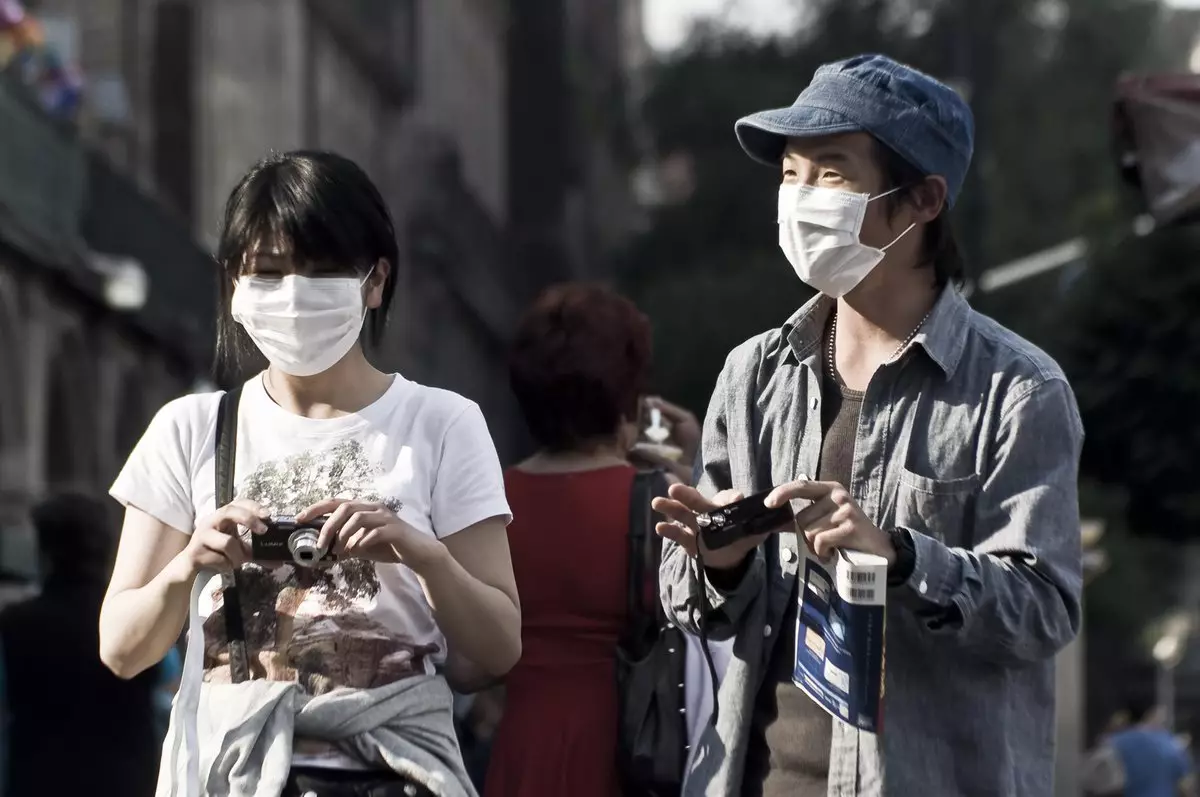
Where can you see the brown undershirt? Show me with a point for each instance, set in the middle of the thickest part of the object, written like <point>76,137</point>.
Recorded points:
<point>790,735</point>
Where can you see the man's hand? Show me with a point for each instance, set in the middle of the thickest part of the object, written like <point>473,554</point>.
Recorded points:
<point>832,521</point>
<point>682,507</point>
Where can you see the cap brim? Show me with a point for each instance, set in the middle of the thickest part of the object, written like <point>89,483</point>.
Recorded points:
<point>764,135</point>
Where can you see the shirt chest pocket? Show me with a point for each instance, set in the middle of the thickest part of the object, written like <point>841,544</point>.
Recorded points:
<point>940,508</point>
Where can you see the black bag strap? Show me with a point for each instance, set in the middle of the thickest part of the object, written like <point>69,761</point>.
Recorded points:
<point>644,544</point>
<point>227,415</point>
<point>235,627</point>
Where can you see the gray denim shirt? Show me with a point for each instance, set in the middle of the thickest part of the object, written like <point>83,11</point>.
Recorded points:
<point>970,440</point>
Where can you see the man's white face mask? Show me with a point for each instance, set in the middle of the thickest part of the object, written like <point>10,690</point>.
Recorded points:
<point>302,325</point>
<point>818,231</point>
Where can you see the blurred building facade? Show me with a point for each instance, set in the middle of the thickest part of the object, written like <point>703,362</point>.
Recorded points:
<point>182,96</point>
<point>573,133</point>
<point>87,353</point>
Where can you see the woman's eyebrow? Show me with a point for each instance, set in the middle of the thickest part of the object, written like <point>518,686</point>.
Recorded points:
<point>267,257</point>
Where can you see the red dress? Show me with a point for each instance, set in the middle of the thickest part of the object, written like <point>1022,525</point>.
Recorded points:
<point>568,539</point>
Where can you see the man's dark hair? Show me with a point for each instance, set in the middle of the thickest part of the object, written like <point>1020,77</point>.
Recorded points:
<point>75,534</point>
<point>941,248</point>
<point>579,364</point>
<point>1139,705</point>
<point>328,214</point>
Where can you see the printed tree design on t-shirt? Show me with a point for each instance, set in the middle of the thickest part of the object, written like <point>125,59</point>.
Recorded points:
<point>312,625</point>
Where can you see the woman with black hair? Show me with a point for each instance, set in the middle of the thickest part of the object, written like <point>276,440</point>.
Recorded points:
<point>344,694</point>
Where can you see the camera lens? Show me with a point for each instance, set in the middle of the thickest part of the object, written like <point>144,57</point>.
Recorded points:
<point>303,546</point>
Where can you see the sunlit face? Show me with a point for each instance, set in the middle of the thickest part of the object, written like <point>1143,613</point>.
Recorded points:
<point>274,262</point>
<point>852,162</point>
<point>845,162</point>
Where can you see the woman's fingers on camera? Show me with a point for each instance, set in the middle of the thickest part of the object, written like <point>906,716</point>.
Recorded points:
<point>362,540</point>
<point>360,521</point>
<point>326,507</point>
<point>347,519</point>
<point>228,518</point>
<point>339,512</point>
<point>218,549</point>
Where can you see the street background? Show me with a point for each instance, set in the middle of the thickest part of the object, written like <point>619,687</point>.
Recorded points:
<point>527,142</point>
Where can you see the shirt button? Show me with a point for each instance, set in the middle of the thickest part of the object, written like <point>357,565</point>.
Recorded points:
<point>923,587</point>
<point>789,555</point>
<point>767,630</point>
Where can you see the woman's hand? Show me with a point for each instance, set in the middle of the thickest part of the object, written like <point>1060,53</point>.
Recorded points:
<point>685,429</point>
<point>685,435</point>
<point>216,542</point>
<point>677,472</point>
<point>372,531</point>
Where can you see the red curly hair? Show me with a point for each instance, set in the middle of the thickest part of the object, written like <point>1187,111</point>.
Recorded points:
<point>579,364</point>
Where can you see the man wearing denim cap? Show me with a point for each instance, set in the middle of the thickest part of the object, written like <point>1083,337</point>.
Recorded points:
<point>939,440</point>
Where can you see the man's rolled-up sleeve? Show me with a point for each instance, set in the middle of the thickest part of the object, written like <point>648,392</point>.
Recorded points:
<point>1015,596</point>
<point>679,577</point>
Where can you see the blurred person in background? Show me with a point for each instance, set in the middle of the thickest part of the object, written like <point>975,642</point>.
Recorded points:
<point>579,367</point>
<point>937,439</point>
<point>679,456</point>
<point>71,726</point>
<point>1152,760</point>
<point>345,694</point>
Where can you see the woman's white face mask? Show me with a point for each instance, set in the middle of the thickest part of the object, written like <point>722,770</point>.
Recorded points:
<point>302,325</point>
<point>818,232</point>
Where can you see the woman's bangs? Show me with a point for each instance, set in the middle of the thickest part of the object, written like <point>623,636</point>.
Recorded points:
<point>274,213</point>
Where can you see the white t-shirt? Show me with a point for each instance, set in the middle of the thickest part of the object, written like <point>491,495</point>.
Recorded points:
<point>423,452</point>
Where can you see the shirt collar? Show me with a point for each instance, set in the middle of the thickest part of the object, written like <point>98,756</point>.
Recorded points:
<point>943,335</point>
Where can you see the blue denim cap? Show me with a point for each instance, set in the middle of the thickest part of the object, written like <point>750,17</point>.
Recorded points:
<point>925,121</point>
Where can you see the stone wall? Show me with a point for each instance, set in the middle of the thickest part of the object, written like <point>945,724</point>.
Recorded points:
<point>79,388</point>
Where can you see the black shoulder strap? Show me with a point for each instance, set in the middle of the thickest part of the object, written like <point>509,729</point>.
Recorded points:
<point>226,444</point>
<point>235,628</point>
<point>644,545</point>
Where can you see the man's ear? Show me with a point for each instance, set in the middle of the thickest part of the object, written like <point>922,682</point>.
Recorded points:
<point>928,199</point>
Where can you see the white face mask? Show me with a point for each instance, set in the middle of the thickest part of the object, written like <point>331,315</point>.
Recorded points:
<point>818,231</point>
<point>302,325</point>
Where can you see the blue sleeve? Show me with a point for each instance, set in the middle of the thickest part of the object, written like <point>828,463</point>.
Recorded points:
<point>170,669</point>
<point>1183,760</point>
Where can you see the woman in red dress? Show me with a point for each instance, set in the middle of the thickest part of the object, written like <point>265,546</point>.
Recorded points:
<point>578,369</point>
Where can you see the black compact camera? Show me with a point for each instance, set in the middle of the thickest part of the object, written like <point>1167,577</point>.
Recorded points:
<point>287,540</point>
<point>727,524</point>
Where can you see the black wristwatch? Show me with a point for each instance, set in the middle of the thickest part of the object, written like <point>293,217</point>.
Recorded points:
<point>906,557</point>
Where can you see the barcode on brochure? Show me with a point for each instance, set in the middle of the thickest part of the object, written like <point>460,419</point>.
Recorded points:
<point>863,578</point>
<point>861,594</point>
